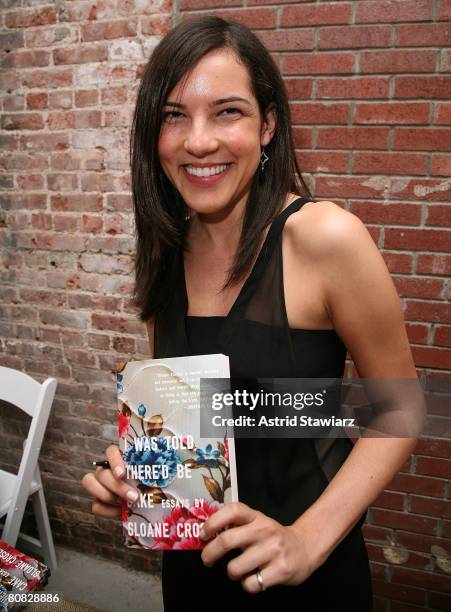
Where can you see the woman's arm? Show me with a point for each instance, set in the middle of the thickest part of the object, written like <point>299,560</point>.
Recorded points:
<point>364,306</point>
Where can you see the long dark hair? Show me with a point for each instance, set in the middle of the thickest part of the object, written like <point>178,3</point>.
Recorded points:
<point>159,208</point>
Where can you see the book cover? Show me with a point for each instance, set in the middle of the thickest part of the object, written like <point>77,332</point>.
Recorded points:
<point>19,575</point>
<point>182,478</point>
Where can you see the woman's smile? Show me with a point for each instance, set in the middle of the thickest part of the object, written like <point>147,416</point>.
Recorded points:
<point>206,176</point>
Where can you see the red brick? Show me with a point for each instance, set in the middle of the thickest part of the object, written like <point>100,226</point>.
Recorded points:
<point>299,89</point>
<point>430,507</point>
<point>156,25</point>
<point>397,61</point>
<point>439,601</point>
<point>80,54</point>
<point>439,215</point>
<point>315,161</point>
<point>65,161</point>
<point>46,79</point>
<point>86,97</point>
<point>61,120</point>
<point>423,35</point>
<point>287,40</point>
<point>389,163</point>
<point>434,448</point>
<point>64,223</point>
<point>114,95</point>
<point>441,165</point>
<point>22,121</point>
<point>317,14</point>
<point>62,181</point>
<point>91,223</point>
<point>107,30</point>
<point>430,288</point>
<point>388,214</point>
<point>345,37</point>
<point>352,88</point>
<point>320,63</point>
<point>11,40</point>
<point>417,333</point>
<point>64,318</point>
<point>37,100</point>
<point>377,11</point>
<point>76,203</point>
<point>427,580</point>
<point>30,18</point>
<point>402,520</point>
<point>425,139</point>
<point>417,239</point>
<point>187,5</point>
<point>13,103</point>
<point>254,18</point>
<point>433,312</point>
<point>416,87</point>
<point>119,202</point>
<point>431,190</point>
<point>433,466</point>
<point>434,264</point>
<point>395,591</point>
<point>392,113</point>
<point>99,341</point>
<point>26,59</point>
<point>401,263</point>
<point>409,483</point>
<point>432,357</point>
<point>442,113</point>
<point>115,323</point>
<point>442,335</point>
<point>419,542</point>
<point>393,501</point>
<point>352,137</point>
<point>444,10</point>
<point>304,113</point>
<point>30,182</point>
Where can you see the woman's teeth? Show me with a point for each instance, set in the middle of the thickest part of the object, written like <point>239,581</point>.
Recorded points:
<point>206,171</point>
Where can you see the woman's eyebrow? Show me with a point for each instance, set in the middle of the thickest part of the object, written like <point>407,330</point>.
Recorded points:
<point>215,103</point>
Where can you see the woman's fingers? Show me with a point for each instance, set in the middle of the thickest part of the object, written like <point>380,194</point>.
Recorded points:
<point>106,510</point>
<point>118,487</point>
<point>235,537</point>
<point>252,558</point>
<point>115,460</point>
<point>96,489</point>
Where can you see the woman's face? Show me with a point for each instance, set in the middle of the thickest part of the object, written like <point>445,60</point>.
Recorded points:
<point>212,133</point>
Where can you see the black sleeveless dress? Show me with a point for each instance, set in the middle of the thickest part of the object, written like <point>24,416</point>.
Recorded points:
<point>279,477</point>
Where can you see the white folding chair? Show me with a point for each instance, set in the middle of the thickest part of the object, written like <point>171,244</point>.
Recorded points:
<point>36,400</point>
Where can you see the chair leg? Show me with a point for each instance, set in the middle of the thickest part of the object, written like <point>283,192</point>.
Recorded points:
<point>45,531</point>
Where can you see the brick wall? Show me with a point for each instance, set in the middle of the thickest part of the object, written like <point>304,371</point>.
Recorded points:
<point>368,83</point>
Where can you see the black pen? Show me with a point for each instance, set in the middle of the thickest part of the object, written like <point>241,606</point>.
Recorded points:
<point>104,464</point>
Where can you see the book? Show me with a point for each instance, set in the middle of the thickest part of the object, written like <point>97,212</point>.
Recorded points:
<point>19,576</point>
<point>182,478</point>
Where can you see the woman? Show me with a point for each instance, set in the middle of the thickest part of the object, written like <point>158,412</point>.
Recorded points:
<point>234,256</point>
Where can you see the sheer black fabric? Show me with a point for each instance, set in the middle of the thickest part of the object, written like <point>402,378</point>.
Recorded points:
<point>279,477</point>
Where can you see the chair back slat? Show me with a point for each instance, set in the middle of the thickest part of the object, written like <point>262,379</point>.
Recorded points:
<point>36,400</point>
<point>19,389</point>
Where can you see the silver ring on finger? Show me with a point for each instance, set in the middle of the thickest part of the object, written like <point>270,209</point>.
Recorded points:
<point>258,573</point>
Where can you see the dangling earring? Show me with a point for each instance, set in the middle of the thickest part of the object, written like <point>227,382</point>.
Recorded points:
<point>263,159</point>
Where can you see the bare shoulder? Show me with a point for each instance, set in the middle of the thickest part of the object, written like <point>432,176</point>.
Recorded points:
<point>322,229</point>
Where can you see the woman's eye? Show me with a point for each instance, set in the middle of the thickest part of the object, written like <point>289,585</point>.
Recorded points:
<point>231,111</point>
<point>171,116</point>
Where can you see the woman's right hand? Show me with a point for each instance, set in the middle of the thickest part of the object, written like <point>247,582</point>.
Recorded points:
<point>107,486</point>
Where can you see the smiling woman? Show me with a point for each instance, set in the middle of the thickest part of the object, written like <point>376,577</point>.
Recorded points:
<point>234,257</point>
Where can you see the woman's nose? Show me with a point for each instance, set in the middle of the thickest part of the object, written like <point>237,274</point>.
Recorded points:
<point>200,139</point>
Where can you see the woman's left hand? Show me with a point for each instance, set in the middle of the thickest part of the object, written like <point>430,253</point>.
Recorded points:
<point>280,552</point>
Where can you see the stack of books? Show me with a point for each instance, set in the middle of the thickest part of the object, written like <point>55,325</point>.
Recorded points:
<point>20,576</point>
